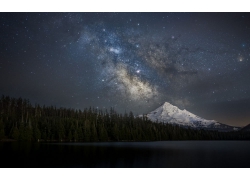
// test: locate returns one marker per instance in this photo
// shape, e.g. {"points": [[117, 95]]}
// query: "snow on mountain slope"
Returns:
{"points": [[168, 113]]}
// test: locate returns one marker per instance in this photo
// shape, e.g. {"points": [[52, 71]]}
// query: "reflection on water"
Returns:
{"points": [[127, 154]]}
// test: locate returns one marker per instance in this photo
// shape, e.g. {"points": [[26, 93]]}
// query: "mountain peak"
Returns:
{"points": [[169, 108], [167, 104]]}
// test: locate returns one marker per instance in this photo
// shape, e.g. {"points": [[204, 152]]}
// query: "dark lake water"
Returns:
{"points": [[160, 154]]}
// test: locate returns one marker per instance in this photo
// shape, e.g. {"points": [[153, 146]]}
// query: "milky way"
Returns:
{"points": [[130, 61]]}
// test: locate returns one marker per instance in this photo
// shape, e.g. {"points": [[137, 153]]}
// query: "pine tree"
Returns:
{"points": [[1, 130], [15, 133], [36, 134]]}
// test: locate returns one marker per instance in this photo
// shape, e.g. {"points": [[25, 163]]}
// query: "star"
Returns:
{"points": [[115, 50]]}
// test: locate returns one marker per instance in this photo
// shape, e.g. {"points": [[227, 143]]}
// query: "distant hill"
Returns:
{"points": [[246, 128]]}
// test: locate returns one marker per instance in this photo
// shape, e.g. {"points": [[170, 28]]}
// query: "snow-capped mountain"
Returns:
{"points": [[168, 113]]}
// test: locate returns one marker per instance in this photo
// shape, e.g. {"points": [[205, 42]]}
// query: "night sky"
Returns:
{"points": [[130, 61]]}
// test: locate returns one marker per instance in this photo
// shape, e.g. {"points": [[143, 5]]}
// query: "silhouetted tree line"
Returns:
{"points": [[20, 120]]}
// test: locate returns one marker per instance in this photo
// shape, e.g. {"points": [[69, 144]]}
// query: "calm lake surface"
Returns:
{"points": [[160, 154]]}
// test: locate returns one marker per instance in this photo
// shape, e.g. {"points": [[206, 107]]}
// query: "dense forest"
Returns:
{"points": [[19, 120]]}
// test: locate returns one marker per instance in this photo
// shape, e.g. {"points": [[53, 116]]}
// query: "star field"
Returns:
{"points": [[130, 61]]}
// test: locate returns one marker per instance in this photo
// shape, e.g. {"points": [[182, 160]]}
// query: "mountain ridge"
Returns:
{"points": [[246, 128]]}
